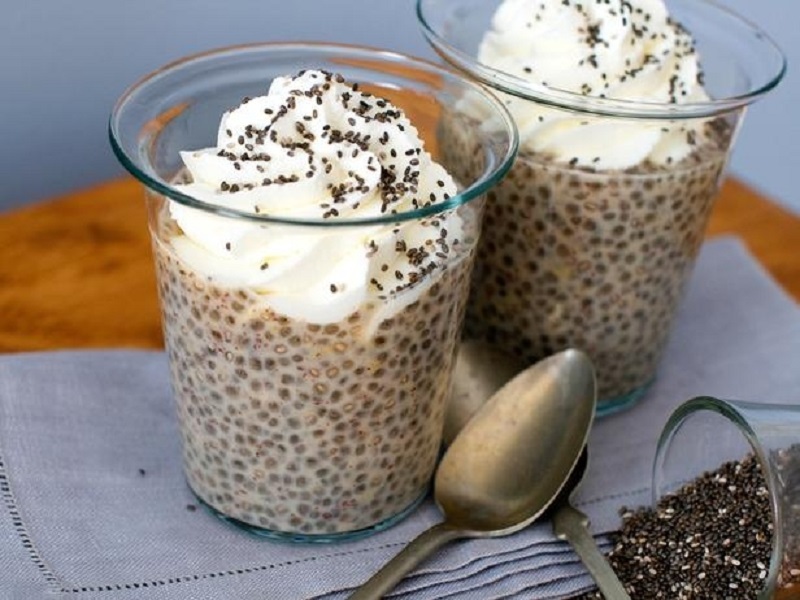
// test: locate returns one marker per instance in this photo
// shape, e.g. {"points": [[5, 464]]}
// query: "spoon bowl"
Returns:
{"points": [[508, 463], [516, 452], [479, 372]]}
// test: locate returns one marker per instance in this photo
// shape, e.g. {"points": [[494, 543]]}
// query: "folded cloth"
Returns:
{"points": [[93, 504]]}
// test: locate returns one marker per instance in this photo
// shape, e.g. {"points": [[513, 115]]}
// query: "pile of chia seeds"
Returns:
{"points": [[712, 538]]}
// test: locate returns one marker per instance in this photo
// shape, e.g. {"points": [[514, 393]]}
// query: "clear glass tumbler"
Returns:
{"points": [[704, 433], [308, 410], [576, 251]]}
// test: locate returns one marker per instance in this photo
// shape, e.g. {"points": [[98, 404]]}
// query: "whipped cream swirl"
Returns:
{"points": [[626, 50], [315, 147]]}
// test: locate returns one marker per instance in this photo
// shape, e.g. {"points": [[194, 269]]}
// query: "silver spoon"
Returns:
{"points": [[480, 371], [509, 462], [572, 525]]}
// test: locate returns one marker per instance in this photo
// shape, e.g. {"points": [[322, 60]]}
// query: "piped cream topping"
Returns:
{"points": [[625, 50], [315, 147]]}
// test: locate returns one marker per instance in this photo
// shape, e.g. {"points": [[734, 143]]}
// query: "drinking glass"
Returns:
{"points": [[297, 424], [597, 258]]}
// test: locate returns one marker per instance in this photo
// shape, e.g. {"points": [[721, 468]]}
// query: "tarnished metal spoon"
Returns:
{"points": [[480, 371], [509, 462], [572, 525]]}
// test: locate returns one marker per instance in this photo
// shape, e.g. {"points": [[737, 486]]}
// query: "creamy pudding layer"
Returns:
{"points": [[592, 260], [301, 427]]}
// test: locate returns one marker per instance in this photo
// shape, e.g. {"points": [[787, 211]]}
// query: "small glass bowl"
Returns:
{"points": [[703, 433]]}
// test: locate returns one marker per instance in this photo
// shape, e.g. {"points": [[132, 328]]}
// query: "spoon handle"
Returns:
{"points": [[572, 525], [404, 561]]}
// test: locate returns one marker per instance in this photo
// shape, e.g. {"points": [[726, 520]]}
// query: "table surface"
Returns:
{"points": [[76, 271]]}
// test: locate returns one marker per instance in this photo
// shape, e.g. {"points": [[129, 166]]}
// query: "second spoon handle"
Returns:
{"points": [[572, 525], [404, 561]]}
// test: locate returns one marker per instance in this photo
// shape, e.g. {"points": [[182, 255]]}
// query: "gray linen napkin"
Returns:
{"points": [[93, 504]]}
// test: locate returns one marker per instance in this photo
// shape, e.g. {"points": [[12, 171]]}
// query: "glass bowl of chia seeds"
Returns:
{"points": [[627, 113], [725, 518]]}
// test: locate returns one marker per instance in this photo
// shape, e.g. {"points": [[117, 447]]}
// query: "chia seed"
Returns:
{"points": [[712, 538]]}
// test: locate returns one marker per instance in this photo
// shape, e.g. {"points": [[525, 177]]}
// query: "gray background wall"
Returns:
{"points": [[64, 62]]}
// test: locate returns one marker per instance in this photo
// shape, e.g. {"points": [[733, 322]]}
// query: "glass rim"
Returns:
{"points": [[609, 107], [152, 182], [728, 410]]}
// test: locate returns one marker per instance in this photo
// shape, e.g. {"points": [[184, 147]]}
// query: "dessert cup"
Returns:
{"points": [[704, 433], [292, 427], [579, 255]]}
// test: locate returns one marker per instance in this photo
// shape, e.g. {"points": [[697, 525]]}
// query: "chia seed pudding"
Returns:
{"points": [[311, 363], [590, 238]]}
